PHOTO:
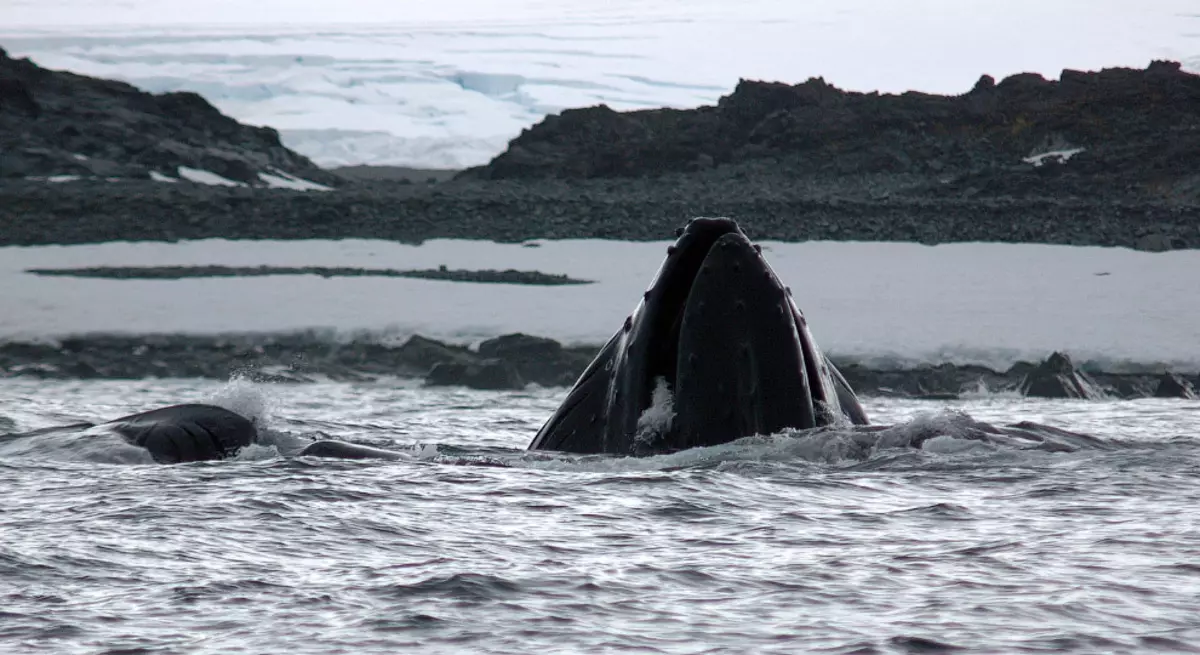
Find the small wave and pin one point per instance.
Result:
(460, 586)
(947, 433)
(939, 511)
(909, 644)
(74, 443)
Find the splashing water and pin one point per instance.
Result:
(655, 422)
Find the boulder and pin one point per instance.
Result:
(1155, 242)
(1171, 385)
(1129, 387)
(1057, 377)
(520, 346)
(539, 360)
(486, 374)
(422, 353)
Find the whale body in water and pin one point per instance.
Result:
(718, 339)
(715, 350)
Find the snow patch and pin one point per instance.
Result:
(205, 177)
(1060, 156)
(281, 180)
(889, 304)
(62, 178)
(446, 84)
(159, 177)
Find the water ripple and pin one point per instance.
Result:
(470, 544)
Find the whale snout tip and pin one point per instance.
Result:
(709, 225)
(734, 240)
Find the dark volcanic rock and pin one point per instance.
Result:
(791, 163)
(422, 353)
(1057, 377)
(1142, 126)
(58, 123)
(930, 382)
(488, 374)
(539, 360)
(488, 276)
(1127, 386)
(507, 362)
(1171, 385)
(520, 346)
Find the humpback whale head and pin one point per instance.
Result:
(720, 334)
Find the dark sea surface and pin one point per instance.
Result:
(822, 542)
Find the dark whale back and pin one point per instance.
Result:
(187, 433)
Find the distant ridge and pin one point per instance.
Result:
(1129, 126)
(1109, 158)
(61, 125)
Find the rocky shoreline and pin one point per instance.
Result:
(1108, 158)
(507, 362)
(767, 204)
(486, 276)
(1104, 159)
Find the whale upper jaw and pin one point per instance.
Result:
(720, 331)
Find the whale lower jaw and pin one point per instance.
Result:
(741, 362)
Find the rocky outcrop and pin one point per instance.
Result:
(512, 361)
(507, 362)
(538, 359)
(929, 382)
(1171, 385)
(1057, 377)
(1020, 136)
(488, 374)
(487, 276)
(55, 123)
(804, 162)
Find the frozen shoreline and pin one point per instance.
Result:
(886, 305)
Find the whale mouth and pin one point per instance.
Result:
(723, 334)
(669, 294)
(716, 347)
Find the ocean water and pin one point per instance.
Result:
(788, 543)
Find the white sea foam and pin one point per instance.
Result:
(656, 420)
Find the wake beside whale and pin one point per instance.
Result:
(715, 351)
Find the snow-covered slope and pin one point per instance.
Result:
(907, 303)
(446, 84)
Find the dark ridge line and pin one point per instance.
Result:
(488, 276)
